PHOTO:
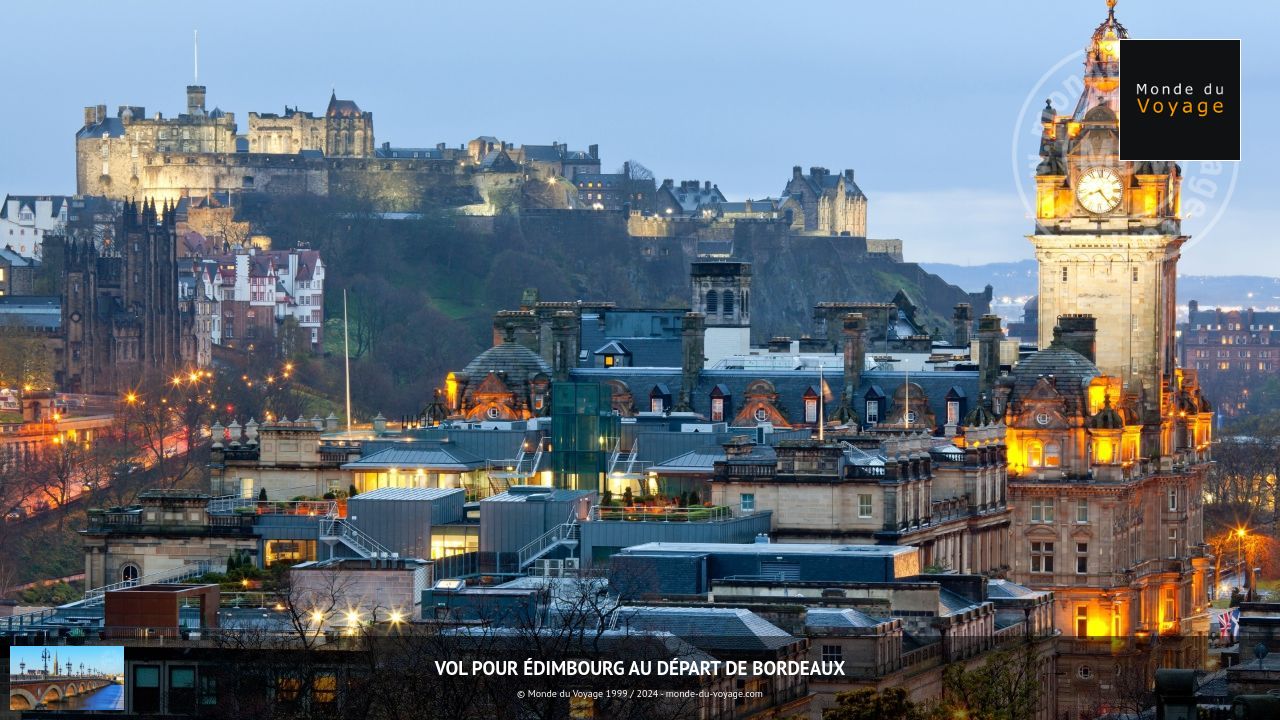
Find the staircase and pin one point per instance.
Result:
(334, 530)
(524, 466)
(94, 596)
(564, 535)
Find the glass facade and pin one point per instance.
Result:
(584, 434)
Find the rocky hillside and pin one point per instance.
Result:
(423, 290)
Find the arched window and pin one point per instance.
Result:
(1052, 455)
(129, 572)
(728, 302)
(712, 301)
(1035, 454)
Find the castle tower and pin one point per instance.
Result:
(1108, 233)
(722, 293)
(195, 100)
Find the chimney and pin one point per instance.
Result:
(565, 325)
(960, 322)
(693, 357)
(707, 186)
(626, 169)
(780, 344)
(379, 424)
(989, 336)
(101, 112)
(854, 330)
(817, 172)
(1079, 333)
(796, 172)
(594, 151)
(1192, 308)
(848, 175)
(90, 116)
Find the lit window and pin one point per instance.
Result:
(1035, 454)
(1082, 621)
(953, 412)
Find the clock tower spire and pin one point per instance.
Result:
(1108, 233)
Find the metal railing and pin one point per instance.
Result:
(563, 532)
(186, 572)
(662, 513)
(95, 596)
(332, 526)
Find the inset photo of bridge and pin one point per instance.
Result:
(66, 678)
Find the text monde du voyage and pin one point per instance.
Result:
(1180, 99)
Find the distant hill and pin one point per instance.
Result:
(1019, 279)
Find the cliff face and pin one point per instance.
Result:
(790, 274)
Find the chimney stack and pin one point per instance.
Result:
(989, 336)
(564, 337)
(1079, 333)
(854, 330)
(960, 322)
(693, 357)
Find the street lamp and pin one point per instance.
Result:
(1240, 556)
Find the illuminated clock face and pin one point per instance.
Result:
(1099, 190)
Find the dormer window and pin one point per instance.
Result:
(873, 412)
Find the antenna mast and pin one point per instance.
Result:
(196, 55)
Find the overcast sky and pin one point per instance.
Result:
(920, 98)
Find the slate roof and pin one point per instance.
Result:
(789, 384)
(514, 363)
(1003, 589)
(341, 108)
(541, 153)
(839, 617)
(709, 629)
(112, 126)
(702, 460)
(13, 259)
(397, 152)
(1071, 372)
(953, 603)
(31, 311)
(426, 455)
(29, 201)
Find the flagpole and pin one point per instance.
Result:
(346, 355)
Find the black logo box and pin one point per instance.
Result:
(1186, 68)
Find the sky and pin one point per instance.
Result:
(922, 99)
(106, 658)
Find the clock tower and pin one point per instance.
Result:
(1108, 232)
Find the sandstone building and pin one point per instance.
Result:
(1108, 440)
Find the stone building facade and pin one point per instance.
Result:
(121, 313)
(825, 204)
(1108, 441)
(1232, 351)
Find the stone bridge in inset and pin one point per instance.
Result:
(28, 691)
